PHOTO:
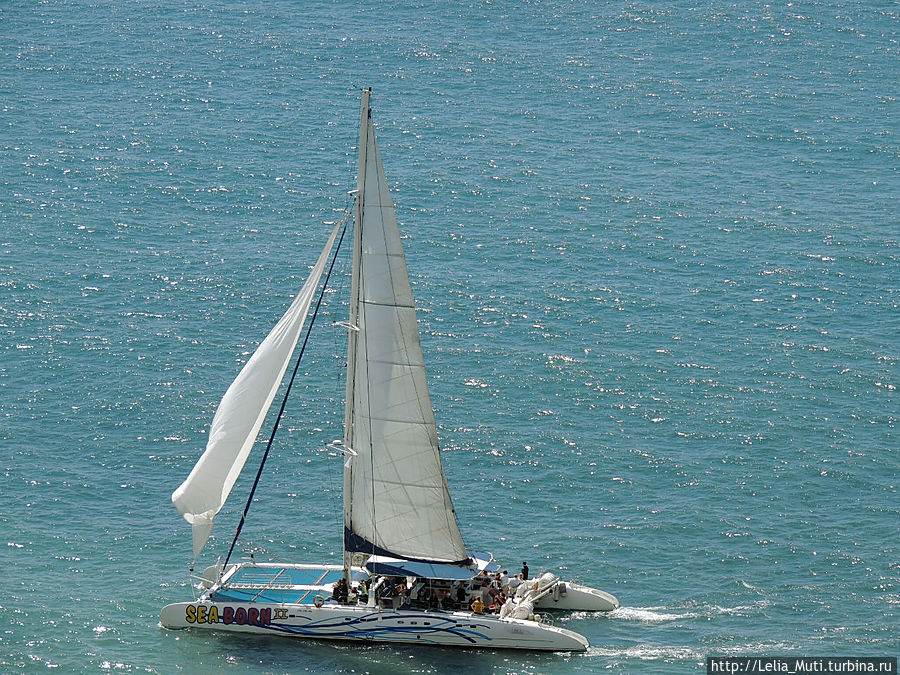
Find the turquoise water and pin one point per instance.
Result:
(655, 251)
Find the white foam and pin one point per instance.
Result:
(660, 614)
(648, 653)
(648, 614)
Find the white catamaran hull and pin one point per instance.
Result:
(367, 624)
(403, 553)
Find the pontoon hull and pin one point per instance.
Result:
(365, 624)
(578, 598)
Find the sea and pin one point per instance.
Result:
(655, 250)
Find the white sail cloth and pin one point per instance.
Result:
(395, 494)
(241, 414)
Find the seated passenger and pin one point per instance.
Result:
(427, 596)
(386, 593)
(415, 593)
(340, 591)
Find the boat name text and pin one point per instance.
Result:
(228, 615)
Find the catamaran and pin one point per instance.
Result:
(406, 575)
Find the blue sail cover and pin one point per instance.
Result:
(389, 566)
(407, 568)
(353, 542)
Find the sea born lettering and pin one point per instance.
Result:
(240, 616)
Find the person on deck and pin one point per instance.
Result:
(402, 597)
(477, 605)
(485, 593)
(461, 595)
(524, 571)
(387, 593)
(496, 596)
(415, 593)
(427, 597)
(340, 592)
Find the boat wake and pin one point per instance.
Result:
(661, 614)
(649, 653)
(649, 614)
(685, 652)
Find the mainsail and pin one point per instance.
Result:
(396, 501)
(241, 413)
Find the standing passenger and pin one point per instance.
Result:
(461, 595)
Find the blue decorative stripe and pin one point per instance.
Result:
(350, 628)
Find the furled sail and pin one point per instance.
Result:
(241, 413)
(396, 500)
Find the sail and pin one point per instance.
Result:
(241, 413)
(396, 500)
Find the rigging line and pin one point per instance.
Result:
(283, 403)
(335, 492)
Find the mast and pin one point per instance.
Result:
(353, 330)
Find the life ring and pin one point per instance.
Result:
(358, 560)
(319, 600)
